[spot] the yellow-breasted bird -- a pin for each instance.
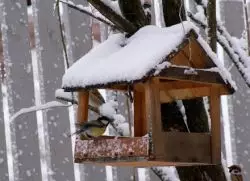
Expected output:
(93, 128)
(235, 173)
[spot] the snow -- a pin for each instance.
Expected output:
(119, 59)
(151, 43)
(108, 109)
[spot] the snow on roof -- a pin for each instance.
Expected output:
(121, 59)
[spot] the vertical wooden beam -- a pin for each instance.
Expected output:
(215, 125)
(153, 116)
(83, 102)
(140, 122)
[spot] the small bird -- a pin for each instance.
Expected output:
(93, 128)
(235, 173)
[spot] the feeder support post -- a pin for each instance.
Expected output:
(215, 125)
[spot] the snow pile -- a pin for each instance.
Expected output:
(109, 109)
(121, 59)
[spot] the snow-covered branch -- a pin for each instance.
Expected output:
(234, 51)
(47, 105)
(87, 11)
(112, 16)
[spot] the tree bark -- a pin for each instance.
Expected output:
(173, 11)
(211, 21)
(133, 12)
(114, 17)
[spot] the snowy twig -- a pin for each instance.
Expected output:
(223, 38)
(197, 21)
(47, 105)
(82, 10)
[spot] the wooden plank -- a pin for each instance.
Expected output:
(153, 112)
(165, 84)
(82, 110)
(145, 163)
(199, 58)
(20, 91)
(203, 76)
(188, 93)
(51, 66)
(110, 149)
(140, 122)
(186, 147)
(215, 125)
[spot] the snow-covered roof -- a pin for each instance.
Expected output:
(126, 60)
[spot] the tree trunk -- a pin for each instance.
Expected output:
(211, 18)
(171, 10)
(133, 11)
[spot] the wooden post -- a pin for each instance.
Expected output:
(215, 125)
(83, 102)
(153, 116)
(140, 122)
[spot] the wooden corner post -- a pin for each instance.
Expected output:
(153, 116)
(215, 125)
(83, 103)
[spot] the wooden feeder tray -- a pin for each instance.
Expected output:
(178, 149)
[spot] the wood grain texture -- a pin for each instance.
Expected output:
(140, 122)
(215, 125)
(110, 149)
(186, 147)
(82, 110)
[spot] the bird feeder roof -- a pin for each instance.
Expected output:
(176, 52)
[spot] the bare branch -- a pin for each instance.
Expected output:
(133, 11)
(111, 15)
(47, 105)
(224, 40)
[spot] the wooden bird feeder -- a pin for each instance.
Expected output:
(179, 77)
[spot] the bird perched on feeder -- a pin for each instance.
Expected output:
(93, 128)
(235, 173)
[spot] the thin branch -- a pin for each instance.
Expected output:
(223, 39)
(247, 25)
(74, 101)
(115, 18)
(75, 7)
(61, 33)
(192, 17)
